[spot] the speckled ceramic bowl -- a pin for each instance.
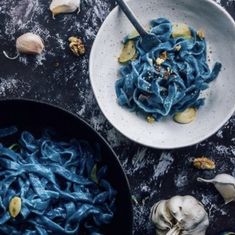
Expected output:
(220, 98)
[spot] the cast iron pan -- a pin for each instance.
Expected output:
(36, 116)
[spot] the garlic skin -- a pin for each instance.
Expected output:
(180, 215)
(29, 43)
(225, 185)
(64, 6)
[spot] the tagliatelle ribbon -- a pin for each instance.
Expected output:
(59, 190)
(145, 88)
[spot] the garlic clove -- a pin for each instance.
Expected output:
(15, 206)
(188, 210)
(29, 43)
(159, 210)
(64, 6)
(175, 206)
(185, 117)
(225, 185)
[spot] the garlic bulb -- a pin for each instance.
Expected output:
(180, 215)
(64, 6)
(225, 184)
(28, 43)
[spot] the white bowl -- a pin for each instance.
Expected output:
(220, 97)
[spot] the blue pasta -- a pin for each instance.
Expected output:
(62, 186)
(161, 90)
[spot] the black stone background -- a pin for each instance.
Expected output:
(60, 78)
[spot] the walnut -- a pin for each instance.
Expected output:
(201, 34)
(161, 59)
(178, 47)
(204, 163)
(76, 46)
(163, 55)
(150, 119)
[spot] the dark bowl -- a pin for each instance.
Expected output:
(36, 116)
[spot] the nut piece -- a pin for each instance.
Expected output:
(128, 52)
(163, 55)
(15, 206)
(185, 117)
(203, 163)
(178, 47)
(150, 119)
(159, 61)
(76, 46)
(201, 34)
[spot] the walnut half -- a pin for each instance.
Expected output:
(76, 46)
(203, 163)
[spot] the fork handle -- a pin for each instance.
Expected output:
(131, 16)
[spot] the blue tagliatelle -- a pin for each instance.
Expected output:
(172, 85)
(62, 187)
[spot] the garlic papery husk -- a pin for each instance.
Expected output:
(64, 6)
(180, 215)
(28, 43)
(225, 184)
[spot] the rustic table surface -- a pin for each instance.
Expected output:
(60, 78)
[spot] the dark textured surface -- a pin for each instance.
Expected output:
(59, 78)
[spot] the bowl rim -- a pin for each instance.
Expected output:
(87, 125)
(91, 75)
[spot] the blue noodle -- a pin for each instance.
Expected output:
(62, 186)
(176, 84)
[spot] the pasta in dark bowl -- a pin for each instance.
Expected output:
(57, 175)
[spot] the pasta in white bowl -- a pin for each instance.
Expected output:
(219, 97)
